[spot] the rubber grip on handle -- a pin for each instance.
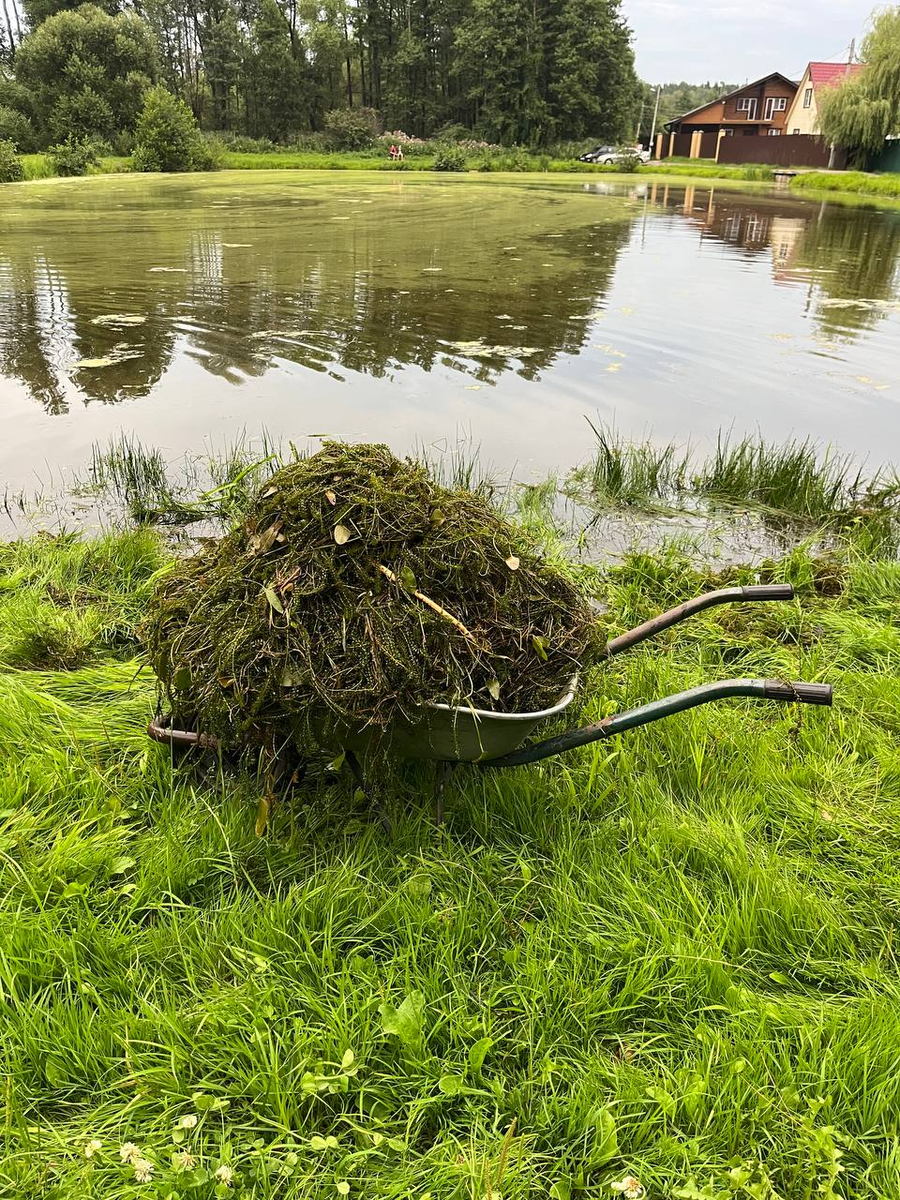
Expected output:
(769, 591)
(799, 693)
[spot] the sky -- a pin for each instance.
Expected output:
(695, 41)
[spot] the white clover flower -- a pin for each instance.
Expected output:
(143, 1170)
(224, 1175)
(129, 1152)
(188, 1122)
(184, 1160)
(91, 1148)
(630, 1187)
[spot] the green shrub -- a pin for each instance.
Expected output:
(450, 158)
(352, 128)
(628, 159)
(11, 169)
(73, 157)
(166, 137)
(81, 115)
(15, 127)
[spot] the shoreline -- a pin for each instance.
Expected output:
(843, 187)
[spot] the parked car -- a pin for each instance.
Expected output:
(607, 155)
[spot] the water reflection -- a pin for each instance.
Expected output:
(179, 309)
(846, 258)
(485, 292)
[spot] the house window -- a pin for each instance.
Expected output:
(747, 104)
(807, 98)
(775, 104)
(774, 133)
(796, 131)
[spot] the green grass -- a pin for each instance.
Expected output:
(853, 182)
(37, 166)
(701, 168)
(673, 955)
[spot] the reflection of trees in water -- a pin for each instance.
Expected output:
(356, 299)
(850, 254)
(34, 304)
(46, 327)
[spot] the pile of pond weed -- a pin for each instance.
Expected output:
(356, 589)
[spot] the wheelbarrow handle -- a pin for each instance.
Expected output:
(759, 689)
(759, 591)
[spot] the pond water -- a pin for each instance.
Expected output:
(419, 309)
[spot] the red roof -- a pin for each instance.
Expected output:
(825, 74)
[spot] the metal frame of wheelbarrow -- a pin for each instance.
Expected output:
(759, 689)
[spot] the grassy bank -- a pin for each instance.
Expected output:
(857, 183)
(38, 166)
(671, 956)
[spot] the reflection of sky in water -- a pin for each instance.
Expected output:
(186, 311)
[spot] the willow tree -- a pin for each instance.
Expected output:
(864, 109)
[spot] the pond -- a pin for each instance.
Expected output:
(185, 310)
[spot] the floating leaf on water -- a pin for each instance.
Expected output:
(504, 317)
(481, 349)
(173, 270)
(272, 597)
(331, 497)
(236, 245)
(90, 364)
(494, 689)
(342, 535)
(512, 562)
(431, 270)
(119, 319)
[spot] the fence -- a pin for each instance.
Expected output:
(708, 145)
(887, 159)
(789, 150)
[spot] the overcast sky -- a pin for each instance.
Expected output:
(736, 41)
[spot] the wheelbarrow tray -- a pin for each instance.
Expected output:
(451, 733)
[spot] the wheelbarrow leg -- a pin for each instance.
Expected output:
(444, 771)
(380, 811)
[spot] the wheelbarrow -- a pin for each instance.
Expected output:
(450, 735)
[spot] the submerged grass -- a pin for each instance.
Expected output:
(797, 481)
(672, 956)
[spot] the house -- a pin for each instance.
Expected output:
(803, 114)
(758, 107)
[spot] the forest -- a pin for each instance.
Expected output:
(516, 72)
